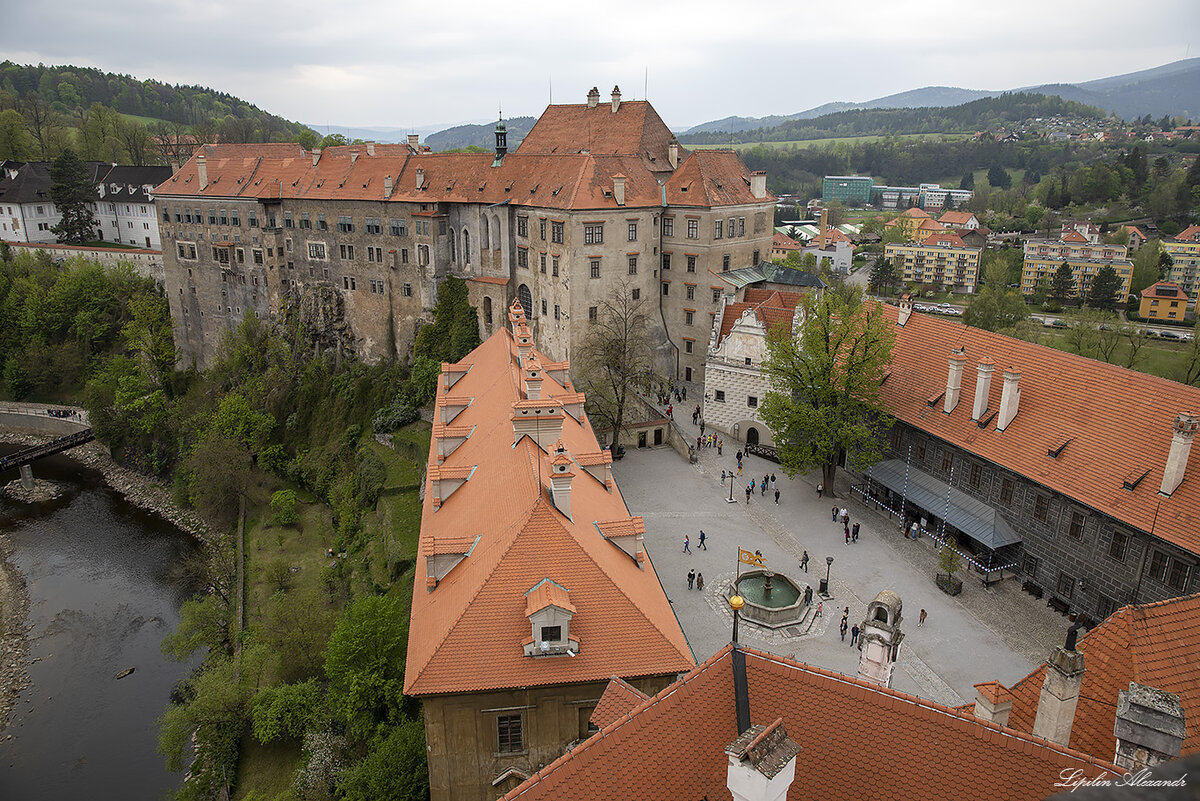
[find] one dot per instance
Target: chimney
(593, 98)
(316, 155)
(1060, 693)
(824, 228)
(354, 155)
(616, 99)
(560, 478)
(202, 170)
(1149, 728)
(905, 309)
(370, 148)
(983, 385)
(958, 360)
(1181, 446)
(993, 702)
(413, 139)
(1010, 397)
(524, 341)
(758, 184)
(174, 166)
(533, 378)
(540, 420)
(673, 153)
(619, 189)
(420, 178)
(387, 186)
(762, 763)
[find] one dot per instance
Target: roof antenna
(646, 84)
(550, 82)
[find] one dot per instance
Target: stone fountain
(771, 599)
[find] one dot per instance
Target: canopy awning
(972, 517)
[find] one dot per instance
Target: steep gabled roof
(635, 129)
(954, 218)
(950, 239)
(711, 178)
(672, 746)
(772, 308)
(620, 698)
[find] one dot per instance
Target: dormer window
(549, 611)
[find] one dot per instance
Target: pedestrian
(834, 514)
(820, 490)
(766, 478)
(921, 619)
(749, 489)
(847, 535)
(845, 515)
(739, 455)
(697, 443)
(914, 530)
(687, 544)
(700, 581)
(739, 468)
(804, 562)
(820, 608)
(701, 425)
(854, 533)
(703, 537)
(694, 416)
(685, 393)
(697, 410)
(691, 578)
(776, 497)
(772, 481)
(752, 485)
(853, 635)
(720, 442)
(670, 409)
(843, 628)
(722, 476)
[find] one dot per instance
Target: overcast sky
(407, 65)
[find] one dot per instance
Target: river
(105, 587)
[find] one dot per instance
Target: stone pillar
(1060, 695)
(27, 476)
(1149, 727)
(879, 640)
(1181, 445)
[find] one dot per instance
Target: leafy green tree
(395, 769)
(236, 420)
(998, 177)
(285, 711)
(283, 507)
(148, 335)
(204, 624)
(948, 559)
(365, 664)
(1106, 285)
(15, 142)
(968, 180)
(994, 308)
(824, 398)
(73, 194)
(883, 274)
(1147, 265)
(1062, 285)
(297, 627)
(1190, 374)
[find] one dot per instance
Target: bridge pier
(27, 476)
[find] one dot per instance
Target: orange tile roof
(547, 593)
(1164, 289)
(1191, 233)
(672, 745)
(1074, 237)
(953, 218)
(916, 214)
(618, 700)
(1063, 396)
(466, 633)
(634, 130)
(771, 307)
(953, 240)
(784, 242)
(1153, 644)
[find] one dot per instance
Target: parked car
(1169, 335)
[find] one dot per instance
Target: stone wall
(148, 263)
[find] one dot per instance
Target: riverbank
(137, 489)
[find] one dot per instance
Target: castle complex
(598, 198)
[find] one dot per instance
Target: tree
(1103, 292)
(365, 664)
(15, 142)
(1137, 337)
(883, 273)
(824, 398)
(73, 194)
(395, 769)
(994, 308)
(286, 710)
(998, 177)
(148, 336)
(1146, 266)
(283, 507)
(1062, 285)
(949, 561)
(968, 181)
(1191, 369)
(616, 354)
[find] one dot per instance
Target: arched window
(487, 311)
(526, 298)
(466, 246)
(483, 234)
(495, 232)
(453, 245)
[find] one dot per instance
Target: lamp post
(730, 499)
(736, 603)
(824, 588)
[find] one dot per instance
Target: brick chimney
(316, 155)
(993, 702)
(758, 184)
(958, 360)
(387, 186)
(1181, 446)
(616, 99)
(560, 478)
(762, 763)
(420, 178)
(1060, 693)
(673, 153)
(619, 189)
(202, 170)
(414, 140)
(593, 98)
(370, 148)
(1010, 398)
(1149, 727)
(983, 385)
(906, 304)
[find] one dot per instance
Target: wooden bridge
(31, 454)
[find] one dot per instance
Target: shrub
(398, 415)
(283, 507)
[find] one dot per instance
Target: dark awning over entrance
(972, 517)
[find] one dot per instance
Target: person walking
(820, 490)
(685, 393)
(921, 619)
(722, 476)
(776, 497)
(739, 468)
(670, 411)
(752, 485)
(845, 515)
(835, 514)
(701, 425)
(691, 578)
(687, 544)
(847, 535)
(766, 478)
(843, 628)
(695, 415)
(804, 562)
(697, 443)
(914, 530)
(820, 609)
(703, 537)
(854, 533)
(700, 581)
(739, 455)
(749, 490)
(720, 442)
(853, 635)
(772, 481)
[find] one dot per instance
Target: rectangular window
(593, 311)
(633, 232)
(947, 461)
(348, 282)
(551, 633)
(554, 265)
(693, 229)
(1066, 585)
(406, 290)
(731, 226)
(241, 255)
(921, 451)
(593, 234)
(321, 224)
(1006, 491)
(305, 222)
(1105, 606)
(542, 229)
(523, 226)
(595, 268)
(345, 224)
(522, 258)
(1158, 565)
(224, 216)
(404, 255)
(633, 265)
(556, 232)
(691, 264)
(346, 251)
(752, 401)
(668, 226)
(543, 307)
(287, 220)
(635, 294)
(509, 738)
(691, 291)
(1118, 546)
(234, 219)
(718, 229)
(716, 296)
(212, 216)
(725, 263)
(373, 226)
(397, 228)
(1177, 576)
(378, 254)
(666, 288)
(687, 346)
(1040, 507)
(666, 261)
(316, 250)
(543, 263)
(719, 396)
(555, 311)
(178, 215)
(1076, 529)
(258, 256)
(689, 317)
(741, 226)
(253, 220)
(976, 475)
(1029, 566)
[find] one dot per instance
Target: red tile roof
(950, 239)
(634, 130)
(784, 242)
(953, 218)
(1164, 289)
(771, 307)
(1074, 237)
(857, 741)
(1154, 644)
(466, 633)
(1190, 234)
(619, 699)
(1063, 396)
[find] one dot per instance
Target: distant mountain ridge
(1172, 89)
(480, 135)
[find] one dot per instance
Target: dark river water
(105, 588)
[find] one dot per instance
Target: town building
(1163, 300)
(754, 726)
(1184, 250)
(942, 259)
(1081, 249)
(534, 586)
(861, 190)
(782, 246)
(1137, 237)
(598, 198)
(853, 190)
(959, 219)
(125, 211)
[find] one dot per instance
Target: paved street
(983, 634)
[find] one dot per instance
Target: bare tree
(40, 118)
(615, 354)
(1137, 337)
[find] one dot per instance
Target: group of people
(709, 441)
(853, 629)
(768, 481)
(843, 514)
(695, 579)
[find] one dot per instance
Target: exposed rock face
(319, 312)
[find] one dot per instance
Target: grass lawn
(1157, 357)
(804, 143)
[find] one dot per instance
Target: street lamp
(824, 588)
(730, 500)
(736, 602)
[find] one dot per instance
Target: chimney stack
(387, 186)
(673, 153)
(1149, 727)
(354, 155)
(1181, 446)
(524, 341)
(758, 184)
(420, 178)
(316, 155)
(619, 189)
(824, 228)
(958, 360)
(762, 763)
(560, 478)
(370, 148)
(616, 99)
(905, 309)
(533, 378)
(593, 98)
(993, 702)
(174, 166)
(983, 385)
(1010, 398)
(1060, 694)
(202, 170)
(413, 139)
